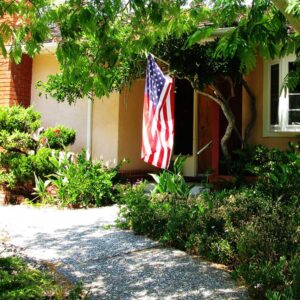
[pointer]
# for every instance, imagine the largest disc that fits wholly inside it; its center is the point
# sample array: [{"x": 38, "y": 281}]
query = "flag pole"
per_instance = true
[{"x": 163, "y": 61}]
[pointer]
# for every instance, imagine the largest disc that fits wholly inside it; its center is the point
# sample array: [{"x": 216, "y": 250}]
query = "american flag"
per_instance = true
[{"x": 158, "y": 116}]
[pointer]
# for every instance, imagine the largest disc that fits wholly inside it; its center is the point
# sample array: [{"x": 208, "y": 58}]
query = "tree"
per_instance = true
[
  {"x": 291, "y": 10},
  {"x": 24, "y": 27},
  {"x": 101, "y": 40},
  {"x": 208, "y": 75},
  {"x": 102, "y": 43}
]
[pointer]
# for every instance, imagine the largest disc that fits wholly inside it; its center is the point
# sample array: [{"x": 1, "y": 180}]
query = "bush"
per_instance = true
[
  {"x": 83, "y": 183},
  {"x": 17, "y": 118},
  {"x": 19, "y": 169},
  {"x": 21, "y": 156},
  {"x": 172, "y": 181},
  {"x": 58, "y": 137},
  {"x": 41, "y": 162},
  {"x": 255, "y": 234},
  {"x": 278, "y": 172}
]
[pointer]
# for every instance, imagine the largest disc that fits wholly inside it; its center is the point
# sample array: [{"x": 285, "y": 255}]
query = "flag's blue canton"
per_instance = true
[{"x": 155, "y": 81}]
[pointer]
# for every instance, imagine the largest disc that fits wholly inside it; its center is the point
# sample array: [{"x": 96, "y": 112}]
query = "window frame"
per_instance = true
[{"x": 283, "y": 128}]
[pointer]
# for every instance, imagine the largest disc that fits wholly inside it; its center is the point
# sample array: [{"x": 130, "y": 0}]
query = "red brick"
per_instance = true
[{"x": 15, "y": 82}]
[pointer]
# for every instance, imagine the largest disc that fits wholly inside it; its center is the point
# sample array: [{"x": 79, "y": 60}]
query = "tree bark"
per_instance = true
[
  {"x": 282, "y": 5},
  {"x": 252, "y": 120}
]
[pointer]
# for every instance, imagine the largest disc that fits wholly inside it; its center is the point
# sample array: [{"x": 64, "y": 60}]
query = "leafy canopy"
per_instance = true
[{"x": 102, "y": 42}]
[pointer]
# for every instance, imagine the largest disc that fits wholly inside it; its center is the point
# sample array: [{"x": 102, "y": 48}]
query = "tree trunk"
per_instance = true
[{"x": 230, "y": 119}]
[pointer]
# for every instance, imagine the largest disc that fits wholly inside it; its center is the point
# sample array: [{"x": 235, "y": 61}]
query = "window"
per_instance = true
[{"x": 282, "y": 110}]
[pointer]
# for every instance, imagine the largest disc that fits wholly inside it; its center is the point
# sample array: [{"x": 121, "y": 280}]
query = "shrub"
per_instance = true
[
  {"x": 255, "y": 234},
  {"x": 172, "y": 181},
  {"x": 17, "y": 118},
  {"x": 19, "y": 169},
  {"x": 21, "y": 157},
  {"x": 58, "y": 137},
  {"x": 42, "y": 164},
  {"x": 16, "y": 127},
  {"x": 81, "y": 184},
  {"x": 278, "y": 173}
]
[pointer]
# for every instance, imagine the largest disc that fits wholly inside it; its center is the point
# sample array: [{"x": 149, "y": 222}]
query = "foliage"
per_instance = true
[
  {"x": 22, "y": 154},
  {"x": 261, "y": 28},
  {"x": 41, "y": 190},
  {"x": 58, "y": 137},
  {"x": 172, "y": 182},
  {"x": 19, "y": 281},
  {"x": 83, "y": 183},
  {"x": 101, "y": 42},
  {"x": 278, "y": 171},
  {"x": 196, "y": 63},
  {"x": 16, "y": 118},
  {"x": 167, "y": 217},
  {"x": 16, "y": 141},
  {"x": 19, "y": 169},
  {"x": 255, "y": 234}
]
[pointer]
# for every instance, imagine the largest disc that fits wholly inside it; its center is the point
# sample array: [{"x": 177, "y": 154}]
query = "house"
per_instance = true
[{"x": 111, "y": 128}]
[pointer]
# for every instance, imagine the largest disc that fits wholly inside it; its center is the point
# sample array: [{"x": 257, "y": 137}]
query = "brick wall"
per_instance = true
[
  {"x": 5, "y": 81},
  {"x": 15, "y": 82}
]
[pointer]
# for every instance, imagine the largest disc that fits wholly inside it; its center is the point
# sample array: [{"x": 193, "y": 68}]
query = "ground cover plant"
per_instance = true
[
  {"x": 22, "y": 282},
  {"x": 252, "y": 229}
]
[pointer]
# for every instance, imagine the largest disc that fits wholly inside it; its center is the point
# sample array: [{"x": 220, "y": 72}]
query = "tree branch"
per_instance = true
[
  {"x": 230, "y": 115},
  {"x": 230, "y": 119}
]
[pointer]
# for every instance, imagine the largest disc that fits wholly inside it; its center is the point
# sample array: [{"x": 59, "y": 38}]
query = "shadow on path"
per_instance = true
[{"x": 117, "y": 264}]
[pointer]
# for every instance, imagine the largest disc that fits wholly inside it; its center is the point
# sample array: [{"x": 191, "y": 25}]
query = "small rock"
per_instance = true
[{"x": 197, "y": 190}]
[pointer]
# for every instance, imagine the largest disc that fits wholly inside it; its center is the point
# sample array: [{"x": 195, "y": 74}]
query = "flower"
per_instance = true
[
  {"x": 57, "y": 131},
  {"x": 52, "y": 190},
  {"x": 43, "y": 140}
]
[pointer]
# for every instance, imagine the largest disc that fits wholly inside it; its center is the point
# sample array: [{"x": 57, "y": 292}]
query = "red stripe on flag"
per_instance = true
[{"x": 158, "y": 117}]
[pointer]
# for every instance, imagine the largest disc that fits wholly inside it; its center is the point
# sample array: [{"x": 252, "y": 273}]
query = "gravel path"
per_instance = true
[{"x": 112, "y": 263}]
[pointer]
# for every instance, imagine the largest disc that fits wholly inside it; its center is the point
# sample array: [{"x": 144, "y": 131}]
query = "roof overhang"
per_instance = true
[{"x": 217, "y": 33}]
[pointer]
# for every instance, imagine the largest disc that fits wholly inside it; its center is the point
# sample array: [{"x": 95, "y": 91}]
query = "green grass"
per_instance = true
[{"x": 18, "y": 281}]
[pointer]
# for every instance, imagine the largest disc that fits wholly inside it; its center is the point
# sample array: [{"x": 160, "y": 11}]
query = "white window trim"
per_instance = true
[{"x": 283, "y": 129}]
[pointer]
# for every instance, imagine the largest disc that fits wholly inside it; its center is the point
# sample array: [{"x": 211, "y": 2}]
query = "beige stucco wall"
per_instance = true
[
  {"x": 105, "y": 128},
  {"x": 104, "y": 118},
  {"x": 54, "y": 113},
  {"x": 256, "y": 82},
  {"x": 130, "y": 127}
]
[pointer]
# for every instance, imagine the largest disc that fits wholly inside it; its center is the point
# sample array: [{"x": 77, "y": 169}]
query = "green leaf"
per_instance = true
[{"x": 199, "y": 35}]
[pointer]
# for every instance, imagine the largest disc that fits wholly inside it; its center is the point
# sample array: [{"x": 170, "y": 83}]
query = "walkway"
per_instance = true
[{"x": 114, "y": 264}]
